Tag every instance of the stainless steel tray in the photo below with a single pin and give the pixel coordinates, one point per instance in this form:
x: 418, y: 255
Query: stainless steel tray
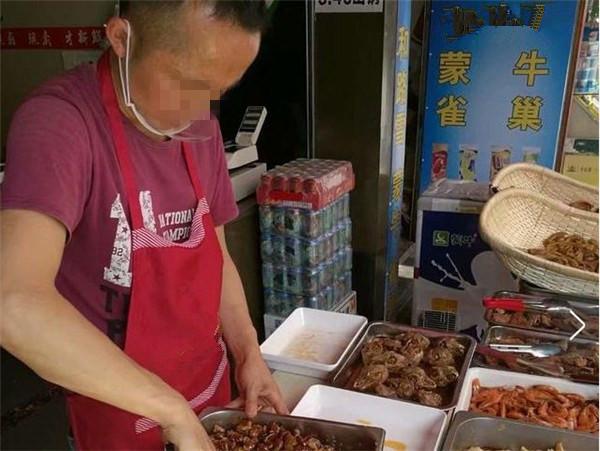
x: 469, y: 429
x: 352, y: 361
x: 348, y: 437
x: 588, y: 335
x: 496, y: 332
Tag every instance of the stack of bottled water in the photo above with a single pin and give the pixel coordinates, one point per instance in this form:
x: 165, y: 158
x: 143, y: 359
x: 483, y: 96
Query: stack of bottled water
x: 306, y: 252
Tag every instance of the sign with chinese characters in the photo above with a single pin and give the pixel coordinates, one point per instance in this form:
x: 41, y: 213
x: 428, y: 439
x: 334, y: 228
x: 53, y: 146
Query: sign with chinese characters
x: 348, y: 6
x: 496, y: 77
x: 51, y: 38
x: 398, y: 151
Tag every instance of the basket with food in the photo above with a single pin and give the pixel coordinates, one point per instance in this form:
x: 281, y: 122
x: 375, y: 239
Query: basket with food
x: 548, y: 183
x: 546, y: 401
x: 230, y: 429
x: 543, y: 241
x: 412, y: 364
x: 476, y: 432
x: 576, y: 359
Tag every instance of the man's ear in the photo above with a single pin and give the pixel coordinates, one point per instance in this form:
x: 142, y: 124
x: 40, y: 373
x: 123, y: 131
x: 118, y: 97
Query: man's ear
x: 116, y: 33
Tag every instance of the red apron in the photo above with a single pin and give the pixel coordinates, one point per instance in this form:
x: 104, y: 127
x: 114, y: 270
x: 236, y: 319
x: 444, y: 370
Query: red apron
x: 173, y: 321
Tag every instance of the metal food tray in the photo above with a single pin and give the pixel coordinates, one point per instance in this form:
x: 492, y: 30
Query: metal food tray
x: 348, y: 437
x: 377, y: 329
x: 564, y: 333
x: 495, y: 332
x: 470, y: 429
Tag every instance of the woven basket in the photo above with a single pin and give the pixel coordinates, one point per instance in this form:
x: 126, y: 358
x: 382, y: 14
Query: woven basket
x: 515, y: 220
x: 545, y: 181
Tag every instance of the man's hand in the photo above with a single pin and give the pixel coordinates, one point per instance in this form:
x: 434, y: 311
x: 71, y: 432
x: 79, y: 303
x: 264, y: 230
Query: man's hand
x: 257, y: 387
x: 185, y: 433
x: 253, y: 378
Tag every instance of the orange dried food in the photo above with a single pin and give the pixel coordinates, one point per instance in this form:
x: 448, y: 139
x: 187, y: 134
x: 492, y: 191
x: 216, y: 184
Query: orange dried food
x: 539, y: 404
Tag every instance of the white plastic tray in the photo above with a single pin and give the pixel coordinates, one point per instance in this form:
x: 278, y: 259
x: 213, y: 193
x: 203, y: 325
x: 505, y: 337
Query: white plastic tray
x: 312, y: 342
x: 497, y: 378
x: 418, y: 428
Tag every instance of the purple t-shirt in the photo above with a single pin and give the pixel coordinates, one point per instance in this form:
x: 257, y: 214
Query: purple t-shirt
x: 61, y: 162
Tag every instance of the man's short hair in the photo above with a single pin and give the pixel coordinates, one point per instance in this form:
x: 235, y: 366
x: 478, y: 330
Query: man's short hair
x: 156, y: 22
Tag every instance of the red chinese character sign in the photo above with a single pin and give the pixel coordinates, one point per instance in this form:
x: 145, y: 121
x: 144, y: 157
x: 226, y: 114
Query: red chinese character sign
x: 52, y: 38
x: 496, y: 77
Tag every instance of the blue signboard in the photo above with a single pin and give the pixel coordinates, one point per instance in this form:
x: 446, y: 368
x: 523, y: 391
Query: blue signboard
x: 398, y: 149
x: 496, y: 79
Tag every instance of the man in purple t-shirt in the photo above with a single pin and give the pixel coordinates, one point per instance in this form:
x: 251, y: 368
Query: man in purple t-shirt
x: 66, y: 230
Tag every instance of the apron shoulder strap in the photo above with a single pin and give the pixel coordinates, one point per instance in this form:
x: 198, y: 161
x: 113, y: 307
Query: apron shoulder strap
x: 192, y: 168
x: 111, y: 105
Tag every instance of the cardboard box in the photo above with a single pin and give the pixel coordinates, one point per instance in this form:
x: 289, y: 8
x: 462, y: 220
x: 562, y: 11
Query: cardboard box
x: 348, y: 305
x: 455, y: 268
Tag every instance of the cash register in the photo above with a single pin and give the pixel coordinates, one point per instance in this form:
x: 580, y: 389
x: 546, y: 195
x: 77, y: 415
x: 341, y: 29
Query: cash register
x: 242, y: 156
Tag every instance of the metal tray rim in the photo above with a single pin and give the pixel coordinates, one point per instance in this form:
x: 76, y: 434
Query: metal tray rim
x: 479, y: 362
x: 352, y: 355
x: 537, y: 333
x: 463, y: 417
x: 563, y: 333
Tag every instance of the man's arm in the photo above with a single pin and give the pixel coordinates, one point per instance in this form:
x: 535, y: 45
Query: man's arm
x: 252, y: 375
x: 49, y: 335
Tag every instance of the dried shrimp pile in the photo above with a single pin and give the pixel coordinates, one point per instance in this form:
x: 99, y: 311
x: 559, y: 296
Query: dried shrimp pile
x: 249, y: 436
x: 540, y: 404
x: 570, y: 250
x: 584, y: 205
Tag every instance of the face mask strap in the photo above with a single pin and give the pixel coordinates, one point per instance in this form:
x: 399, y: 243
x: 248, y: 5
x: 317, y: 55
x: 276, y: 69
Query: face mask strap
x: 124, y: 74
x: 126, y: 91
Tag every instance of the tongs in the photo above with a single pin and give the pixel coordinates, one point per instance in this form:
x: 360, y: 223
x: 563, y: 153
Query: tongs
x: 540, y: 350
x: 516, y: 302
x: 549, y: 368
x: 539, y: 302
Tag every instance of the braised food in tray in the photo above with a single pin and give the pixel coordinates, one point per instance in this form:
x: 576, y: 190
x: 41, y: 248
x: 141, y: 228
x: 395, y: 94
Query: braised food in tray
x: 249, y: 436
x: 410, y: 366
x: 539, y: 404
x: 540, y: 320
x: 578, y: 361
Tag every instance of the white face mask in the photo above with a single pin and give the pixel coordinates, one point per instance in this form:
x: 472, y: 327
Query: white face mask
x: 126, y: 91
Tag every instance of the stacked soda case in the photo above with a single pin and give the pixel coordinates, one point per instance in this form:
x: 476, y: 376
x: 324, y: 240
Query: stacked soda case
x: 306, y: 235
x: 311, y: 184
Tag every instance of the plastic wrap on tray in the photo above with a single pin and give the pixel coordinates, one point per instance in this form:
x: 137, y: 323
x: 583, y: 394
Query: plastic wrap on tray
x: 305, y: 183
